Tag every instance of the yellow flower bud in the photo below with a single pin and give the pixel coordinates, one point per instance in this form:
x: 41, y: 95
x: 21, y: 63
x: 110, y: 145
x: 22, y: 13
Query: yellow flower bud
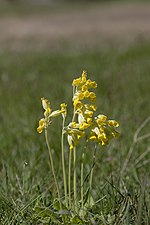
x: 45, y: 103
x: 84, y: 75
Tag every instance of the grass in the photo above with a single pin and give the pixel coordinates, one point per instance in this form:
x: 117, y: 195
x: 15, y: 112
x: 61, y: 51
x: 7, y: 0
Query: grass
x: 123, y: 93
x: 8, y: 8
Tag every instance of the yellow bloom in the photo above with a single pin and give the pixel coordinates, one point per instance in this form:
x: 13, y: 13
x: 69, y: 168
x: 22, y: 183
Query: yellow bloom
x: 100, y: 119
x: 84, y: 126
x: 88, y: 83
x: 45, y: 122
x: 76, y: 82
x: 73, y: 125
x: 77, y: 104
x: 92, y: 96
x: 84, y: 88
x: 80, y: 95
x: 74, y: 136
x: 113, y: 123
x: 89, y: 120
x: 93, y: 84
x: 63, y: 109
x: 86, y: 94
x: 90, y: 107
x: 47, y: 112
x: 41, y: 125
x: 63, y: 106
x: 88, y: 113
x: 40, y: 129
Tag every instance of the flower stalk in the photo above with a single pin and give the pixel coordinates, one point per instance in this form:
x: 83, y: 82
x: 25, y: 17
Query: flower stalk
x: 84, y: 126
x: 91, y: 177
x: 52, y: 167
x: 63, y: 163
x: 75, y: 179
x: 82, y: 180
x: 69, y: 176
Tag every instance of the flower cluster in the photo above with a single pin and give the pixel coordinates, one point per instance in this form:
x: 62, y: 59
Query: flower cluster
x: 103, y: 130
x: 48, y: 114
x: 99, y: 128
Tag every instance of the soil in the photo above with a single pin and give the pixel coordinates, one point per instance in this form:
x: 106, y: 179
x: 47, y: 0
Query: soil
x: 94, y: 26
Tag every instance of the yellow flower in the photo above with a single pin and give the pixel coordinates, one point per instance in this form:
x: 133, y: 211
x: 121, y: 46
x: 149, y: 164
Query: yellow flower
x: 47, y: 112
x: 113, y: 123
x: 88, y: 113
x: 76, y: 82
x: 73, y: 125
x: 86, y: 94
x: 80, y: 95
x: 45, y: 122
x: 92, y: 96
x: 89, y: 120
x: 63, y: 109
x: 39, y: 129
x: 100, y: 119
x: 90, y: 107
x: 77, y: 104
x: 84, y: 88
x: 74, y: 136
x: 88, y: 83
x: 93, y: 84
x: 41, y: 125
x: 98, y: 136
x: 84, y: 126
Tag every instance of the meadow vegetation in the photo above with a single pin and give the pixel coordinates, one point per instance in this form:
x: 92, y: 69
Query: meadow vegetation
x: 121, y: 180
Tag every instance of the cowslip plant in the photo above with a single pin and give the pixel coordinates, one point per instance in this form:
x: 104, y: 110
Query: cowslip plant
x: 84, y: 127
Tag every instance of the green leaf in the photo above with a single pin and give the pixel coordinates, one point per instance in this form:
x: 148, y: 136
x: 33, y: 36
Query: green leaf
x: 43, y: 212
x: 76, y: 220
x: 86, y: 196
x: 56, y: 204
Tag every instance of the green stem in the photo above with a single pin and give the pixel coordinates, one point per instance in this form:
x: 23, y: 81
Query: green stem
x: 91, y: 177
x: 52, y: 167
x: 63, y: 163
x: 75, y: 179
x: 82, y: 181
x: 69, y: 177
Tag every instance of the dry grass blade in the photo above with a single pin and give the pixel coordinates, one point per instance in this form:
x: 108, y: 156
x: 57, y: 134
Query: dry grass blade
x: 135, y: 140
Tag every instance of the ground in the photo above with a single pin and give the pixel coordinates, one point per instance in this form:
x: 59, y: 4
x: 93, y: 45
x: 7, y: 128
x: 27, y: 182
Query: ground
x: 94, y: 25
